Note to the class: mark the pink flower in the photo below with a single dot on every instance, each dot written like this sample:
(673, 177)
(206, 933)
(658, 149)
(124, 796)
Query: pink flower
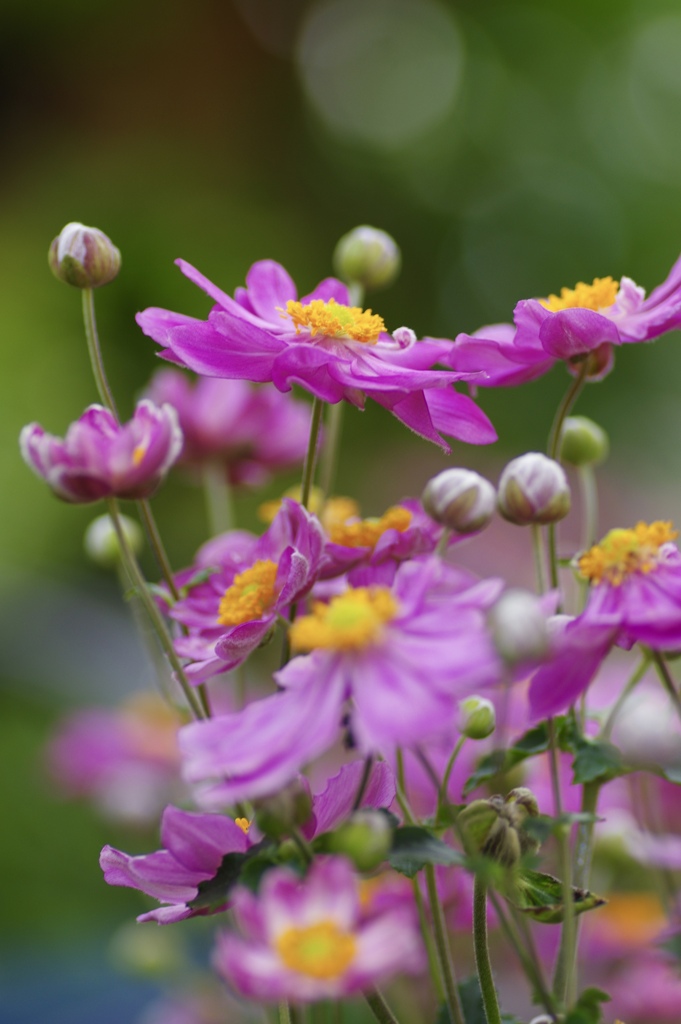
(100, 458)
(335, 351)
(308, 939)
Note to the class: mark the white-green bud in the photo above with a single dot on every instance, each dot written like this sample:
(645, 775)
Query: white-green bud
(543, 1018)
(519, 627)
(477, 718)
(367, 256)
(83, 257)
(366, 838)
(494, 827)
(583, 442)
(281, 813)
(533, 489)
(460, 499)
(101, 541)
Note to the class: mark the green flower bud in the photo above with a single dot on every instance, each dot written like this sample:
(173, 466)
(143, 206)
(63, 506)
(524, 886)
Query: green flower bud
(83, 257)
(533, 489)
(366, 838)
(147, 952)
(519, 627)
(494, 827)
(460, 499)
(477, 718)
(367, 256)
(583, 442)
(283, 812)
(101, 541)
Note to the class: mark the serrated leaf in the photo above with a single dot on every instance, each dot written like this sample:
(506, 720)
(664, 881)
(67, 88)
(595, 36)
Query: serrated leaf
(596, 761)
(414, 847)
(540, 896)
(471, 1005)
(587, 1009)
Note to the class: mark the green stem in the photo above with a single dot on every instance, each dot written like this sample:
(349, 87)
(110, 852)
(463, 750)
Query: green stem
(380, 1008)
(569, 399)
(218, 495)
(587, 483)
(311, 454)
(526, 953)
(444, 953)
(284, 1013)
(96, 353)
(562, 979)
(140, 584)
(667, 679)
(334, 428)
(443, 542)
(553, 556)
(154, 538)
(636, 678)
(442, 793)
(428, 941)
(539, 558)
(302, 844)
(482, 961)
(363, 782)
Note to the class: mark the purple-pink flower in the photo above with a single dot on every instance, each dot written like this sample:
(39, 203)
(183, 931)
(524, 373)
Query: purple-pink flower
(332, 349)
(249, 431)
(399, 658)
(100, 458)
(229, 614)
(635, 597)
(587, 319)
(308, 939)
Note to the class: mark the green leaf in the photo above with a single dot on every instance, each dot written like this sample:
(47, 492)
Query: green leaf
(235, 868)
(596, 762)
(540, 896)
(414, 847)
(544, 826)
(471, 1005)
(587, 1009)
(500, 762)
(200, 576)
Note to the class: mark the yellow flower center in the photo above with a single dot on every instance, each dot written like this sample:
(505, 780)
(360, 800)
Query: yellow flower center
(623, 552)
(350, 622)
(251, 594)
(244, 824)
(335, 320)
(333, 510)
(599, 295)
(320, 951)
(138, 453)
(365, 533)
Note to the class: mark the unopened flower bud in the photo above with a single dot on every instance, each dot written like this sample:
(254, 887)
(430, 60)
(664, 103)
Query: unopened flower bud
(533, 489)
(83, 257)
(366, 838)
(460, 499)
(583, 442)
(278, 815)
(477, 718)
(542, 1019)
(519, 627)
(367, 256)
(494, 827)
(101, 540)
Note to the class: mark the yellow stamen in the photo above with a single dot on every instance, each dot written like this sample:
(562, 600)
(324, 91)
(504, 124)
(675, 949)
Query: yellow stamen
(138, 453)
(350, 622)
(623, 552)
(251, 594)
(244, 824)
(320, 950)
(335, 320)
(599, 295)
(365, 533)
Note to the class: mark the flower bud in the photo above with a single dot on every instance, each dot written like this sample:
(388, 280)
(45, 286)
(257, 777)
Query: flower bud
(460, 499)
(543, 1018)
(533, 489)
(367, 256)
(366, 838)
(83, 257)
(583, 442)
(278, 815)
(101, 540)
(477, 718)
(519, 627)
(494, 827)
(147, 952)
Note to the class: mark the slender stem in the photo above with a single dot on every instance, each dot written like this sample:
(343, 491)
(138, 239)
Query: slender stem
(553, 556)
(140, 584)
(520, 937)
(380, 1008)
(96, 353)
(587, 483)
(563, 974)
(482, 961)
(442, 793)
(363, 782)
(428, 941)
(569, 399)
(539, 558)
(585, 834)
(302, 844)
(218, 495)
(401, 795)
(636, 678)
(667, 679)
(284, 1013)
(311, 454)
(444, 954)
(333, 431)
(157, 547)
(443, 542)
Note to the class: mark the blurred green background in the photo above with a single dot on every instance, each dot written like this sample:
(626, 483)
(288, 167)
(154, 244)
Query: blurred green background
(510, 148)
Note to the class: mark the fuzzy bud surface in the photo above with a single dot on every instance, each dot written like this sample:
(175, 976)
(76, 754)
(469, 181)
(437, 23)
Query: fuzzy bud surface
(83, 257)
(533, 489)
